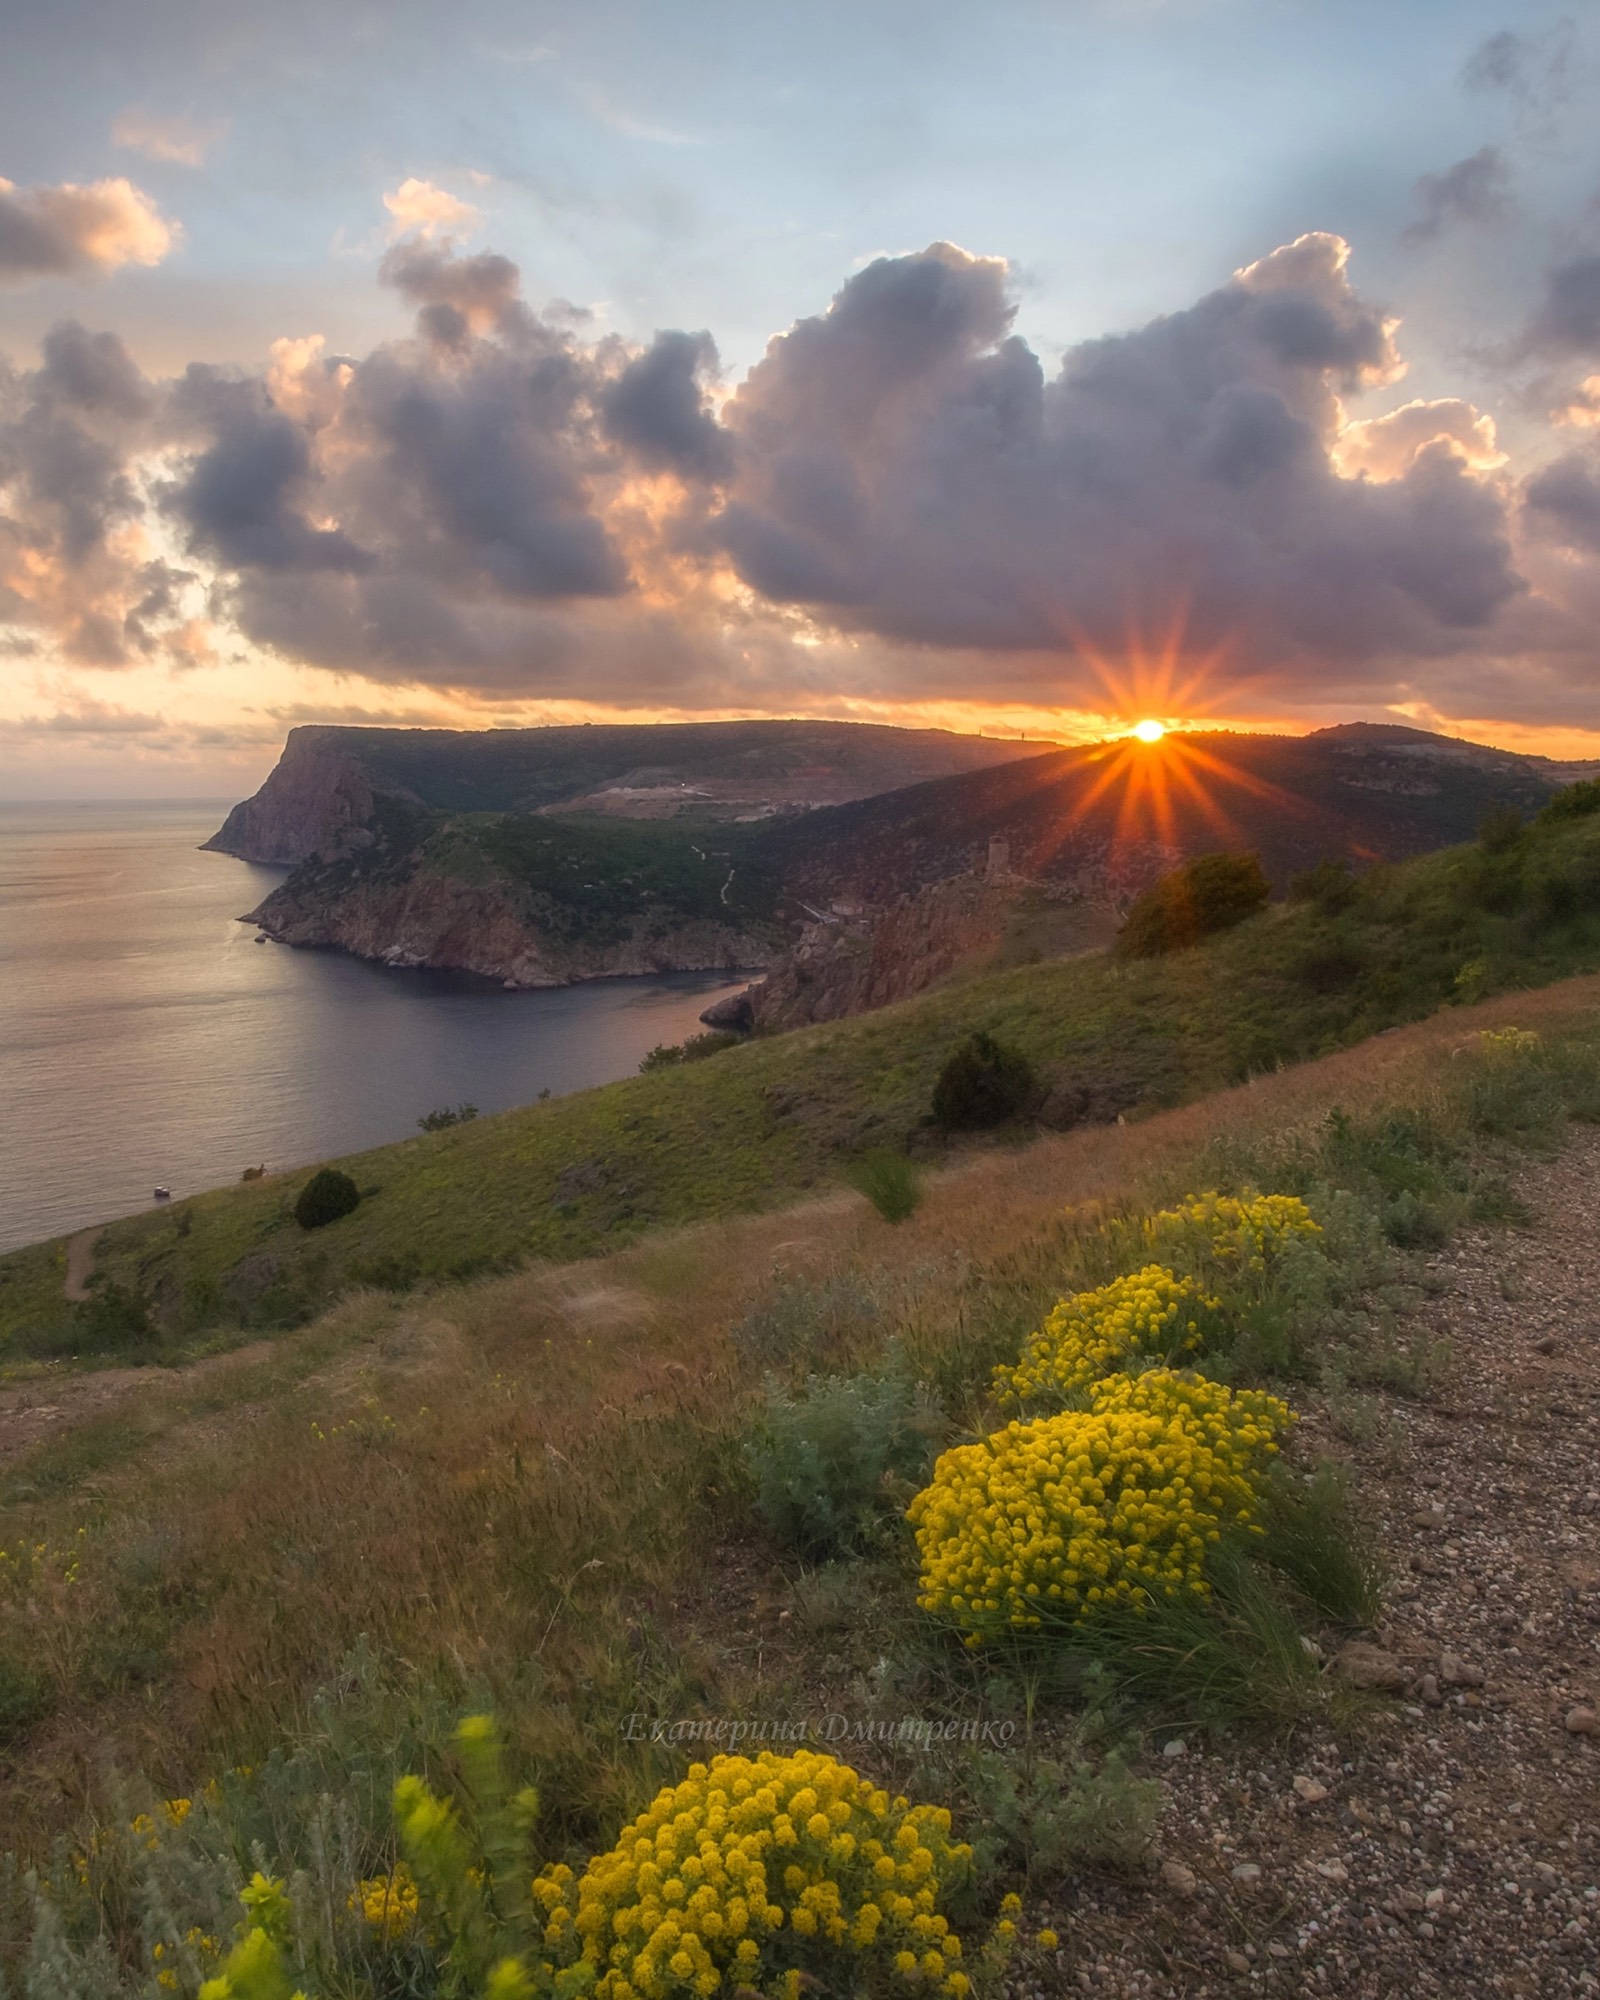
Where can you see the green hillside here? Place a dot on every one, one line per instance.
(757, 1123)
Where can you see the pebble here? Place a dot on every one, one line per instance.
(1582, 1721)
(1364, 1665)
(1310, 1790)
(1246, 1873)
(1181, 1880)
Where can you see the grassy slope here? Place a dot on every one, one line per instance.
(483, 1447)
(762, 1122)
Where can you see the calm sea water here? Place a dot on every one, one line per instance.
(146, 1039)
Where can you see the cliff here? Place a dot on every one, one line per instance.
(487, 928)
(316, 798)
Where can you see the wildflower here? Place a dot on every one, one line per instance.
(1151, 1315)
(1047, 1522)
(750, 1863)
(388, 1903)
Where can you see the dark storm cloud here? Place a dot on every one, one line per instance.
(905, 468)
(1474, 191)
(656, 408)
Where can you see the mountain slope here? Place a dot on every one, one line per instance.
(321, 792)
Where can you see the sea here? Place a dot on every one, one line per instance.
(147, 1040)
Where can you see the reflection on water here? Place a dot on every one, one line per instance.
(146, 1038)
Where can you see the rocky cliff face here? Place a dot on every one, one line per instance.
(856, 964)
(484, 927)
(317, 799)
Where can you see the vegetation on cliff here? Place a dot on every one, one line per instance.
(759, 1123)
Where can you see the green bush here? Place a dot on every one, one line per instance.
(1310, 1534)
(983, 1083)
(325, 1197)
(441, 1120)
(1209, 894)
(1042, 1819)
(115, 1318)
(823, 1460)
(1330, 886)
(889, 1181)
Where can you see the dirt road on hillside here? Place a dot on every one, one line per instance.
(1454, 1851)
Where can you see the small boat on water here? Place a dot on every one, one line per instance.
(163, 1194)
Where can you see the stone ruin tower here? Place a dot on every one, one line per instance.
(999, 865)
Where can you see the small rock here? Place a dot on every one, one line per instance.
(1428, 1517)
(1276, 1950)
(1364, 1665)
(1457, 1672)
(1310, 1790)
(1434, 1900)
(1180, 1880)
(1547, 1345)
(1582, 1721)
(1246, 1873)
(1333, 1871)
(1237, 1962)
(1428, 1691)
(1175, 1748)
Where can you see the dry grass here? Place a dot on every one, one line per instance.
(512, 1488)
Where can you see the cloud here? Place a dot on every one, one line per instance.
(898, 501)
(1534, 70)
(180, 141)
(421, 209)
(904, 468)
(1474, 191)
(89, 718)
(73, 231)
(1563, 501)
(1388, 447)
(1567, 319)
(656, 408)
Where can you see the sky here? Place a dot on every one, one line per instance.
(1033, 367)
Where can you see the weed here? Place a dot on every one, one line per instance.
(1312, 1537)
(802, 1323)
(1040, 1818)
(890, 1181)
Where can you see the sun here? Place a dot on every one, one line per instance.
(1150, 731)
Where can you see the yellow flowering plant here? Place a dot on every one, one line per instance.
(1050, 1521)
(1235, 1243)
(1150, 1315)
(770, 1875)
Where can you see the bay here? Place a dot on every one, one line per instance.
(146, 1039)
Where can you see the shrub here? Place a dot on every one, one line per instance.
(1329, 886)
(665, 1055)
(774, 1874)
(983, 1082)
(114, 1316)
(1048, 1522)
(1152, 1315)
(1572, 802)
(822, 1459)
(1311, 1536)
(1043, 1818)
(325, 1197)
(1209, 894)
(442, 1119)
(889, 1181)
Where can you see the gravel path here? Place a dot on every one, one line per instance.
(80, 1261)
(1451, 1846)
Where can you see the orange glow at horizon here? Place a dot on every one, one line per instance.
(1150, 731)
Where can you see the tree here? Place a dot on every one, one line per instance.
(1209, 894)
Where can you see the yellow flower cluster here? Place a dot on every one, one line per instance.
(764, 1874)
(1151, 1315)
(1232, 1233)
(201, 1946)
(387, 1902)
(33, 1563)
(1046, 1522)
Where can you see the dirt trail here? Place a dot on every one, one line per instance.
(80, 1261)
(1453, 1850)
